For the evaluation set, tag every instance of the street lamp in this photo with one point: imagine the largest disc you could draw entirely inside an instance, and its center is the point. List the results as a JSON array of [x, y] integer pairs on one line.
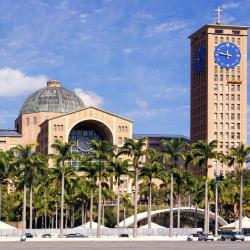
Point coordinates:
[[218, 178]]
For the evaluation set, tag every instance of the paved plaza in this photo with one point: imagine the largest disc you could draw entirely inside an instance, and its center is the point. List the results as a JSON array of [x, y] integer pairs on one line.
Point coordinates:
[[127, 245]]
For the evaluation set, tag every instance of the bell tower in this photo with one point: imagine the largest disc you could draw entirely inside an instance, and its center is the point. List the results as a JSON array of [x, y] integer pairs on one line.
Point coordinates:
[[219, 87]]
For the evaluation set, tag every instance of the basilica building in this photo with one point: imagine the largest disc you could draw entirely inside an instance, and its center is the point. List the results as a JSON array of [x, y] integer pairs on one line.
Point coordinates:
[[55, 112]]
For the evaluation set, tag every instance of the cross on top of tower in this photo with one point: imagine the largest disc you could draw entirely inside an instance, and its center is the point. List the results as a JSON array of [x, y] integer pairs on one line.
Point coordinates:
[[218, 11]]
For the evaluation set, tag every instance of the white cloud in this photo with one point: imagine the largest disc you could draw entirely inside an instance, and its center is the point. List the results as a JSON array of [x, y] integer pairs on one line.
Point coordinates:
[[89, 98], [231, 5], [165, 27], [142, 104], [167, 92], [144, 110], [128, 51], [83, 17], [14, 82]]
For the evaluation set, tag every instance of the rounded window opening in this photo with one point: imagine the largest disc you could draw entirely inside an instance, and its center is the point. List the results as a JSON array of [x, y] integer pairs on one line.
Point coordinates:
[[84, 132]]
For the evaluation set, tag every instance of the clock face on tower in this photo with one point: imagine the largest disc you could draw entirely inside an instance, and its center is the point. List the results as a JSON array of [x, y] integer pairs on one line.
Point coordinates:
[[199, 59], [227, 55]]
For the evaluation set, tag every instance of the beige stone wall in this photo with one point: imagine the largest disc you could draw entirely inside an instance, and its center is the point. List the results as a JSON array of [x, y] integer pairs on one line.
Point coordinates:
[[7, 143], [29, 125], [61, 126]]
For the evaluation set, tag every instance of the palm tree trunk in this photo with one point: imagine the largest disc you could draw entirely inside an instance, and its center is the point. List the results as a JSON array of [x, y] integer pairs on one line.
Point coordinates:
[[103, 213], [45, 211], [66, 218], [124, 217], [171, 217], [52, 222], [179, 212], [36, 221], [98, 232], [149, 204], [73, 216], [241, 201], [208, 219], [118, 205], [91, 207], [135, 203], [24, 209], [206, 206], [62, 205], [0, 201], [82, 213], [31, 208], [56, 217], [196, 214]]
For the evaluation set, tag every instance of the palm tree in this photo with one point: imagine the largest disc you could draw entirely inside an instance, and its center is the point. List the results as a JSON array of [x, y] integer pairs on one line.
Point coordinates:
[[63, 156], [119, 168], [126, 203], [203, 152], [196, 188], [102, 153], [38, 166], [135, 149], [5, 158], [183, 180], [238, 157], [172, 155], [149, 171], [107, 195], [90, 170], [23, 163], [82, 195]]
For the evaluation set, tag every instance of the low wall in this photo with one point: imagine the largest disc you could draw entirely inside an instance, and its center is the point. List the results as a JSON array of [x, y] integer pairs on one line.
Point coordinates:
[[104, 231]]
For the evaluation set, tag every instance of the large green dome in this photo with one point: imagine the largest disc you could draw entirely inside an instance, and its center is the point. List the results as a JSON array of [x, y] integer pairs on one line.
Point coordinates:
[[53, 98]]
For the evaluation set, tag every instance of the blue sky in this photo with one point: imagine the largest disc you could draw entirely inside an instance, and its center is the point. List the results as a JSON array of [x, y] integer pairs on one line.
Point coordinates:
[[130, 57]]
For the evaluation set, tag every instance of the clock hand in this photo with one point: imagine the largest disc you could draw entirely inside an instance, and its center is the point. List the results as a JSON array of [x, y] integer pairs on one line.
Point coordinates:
[[225, 54], [228, 55]]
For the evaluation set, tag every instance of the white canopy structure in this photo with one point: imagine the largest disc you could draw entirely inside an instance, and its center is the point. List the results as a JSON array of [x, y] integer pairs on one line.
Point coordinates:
[[235, 225], [153, 225], [200, 212], [6, 226], [87, 225]]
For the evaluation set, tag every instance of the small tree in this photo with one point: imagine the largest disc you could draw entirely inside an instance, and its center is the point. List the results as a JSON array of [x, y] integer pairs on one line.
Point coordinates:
[[238, 158], [173, 150], [118, 169], [102, 153], [62, 157], [135, 149], [149, 171], [203, 152]]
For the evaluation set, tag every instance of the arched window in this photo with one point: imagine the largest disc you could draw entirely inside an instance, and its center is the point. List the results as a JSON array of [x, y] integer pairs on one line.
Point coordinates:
[[238, 41], [119, 140]]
